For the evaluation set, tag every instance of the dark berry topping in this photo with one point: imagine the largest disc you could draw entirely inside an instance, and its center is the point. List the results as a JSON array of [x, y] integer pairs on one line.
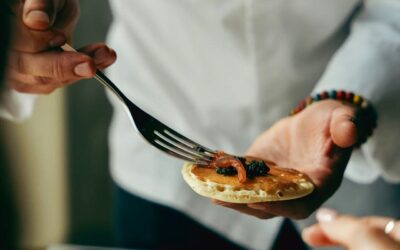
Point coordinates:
[[226, 171], [256, 168], [253, 168]]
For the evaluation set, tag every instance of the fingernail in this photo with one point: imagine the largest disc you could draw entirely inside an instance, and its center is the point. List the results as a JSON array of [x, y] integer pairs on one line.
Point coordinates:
[[83, 70], [38, 16], [326, 215], [101, 56], [57, 41]]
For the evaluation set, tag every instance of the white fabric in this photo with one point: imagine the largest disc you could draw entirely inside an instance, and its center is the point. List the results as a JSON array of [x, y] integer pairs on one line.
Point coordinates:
[[223, 71], [16, 106]]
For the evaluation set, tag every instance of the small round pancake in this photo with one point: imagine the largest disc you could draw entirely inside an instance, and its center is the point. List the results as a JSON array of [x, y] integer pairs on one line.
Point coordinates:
[[280, 184]]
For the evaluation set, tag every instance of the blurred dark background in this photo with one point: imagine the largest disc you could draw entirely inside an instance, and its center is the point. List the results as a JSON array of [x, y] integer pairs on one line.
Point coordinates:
[[8, 217], [88, 116], [60, 188]]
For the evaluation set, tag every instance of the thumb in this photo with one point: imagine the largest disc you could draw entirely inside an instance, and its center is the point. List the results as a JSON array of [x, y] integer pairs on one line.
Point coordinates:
[[40, 14], [343, 129]]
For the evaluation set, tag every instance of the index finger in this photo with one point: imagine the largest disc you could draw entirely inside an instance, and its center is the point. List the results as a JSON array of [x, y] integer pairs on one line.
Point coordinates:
[[40, 14]]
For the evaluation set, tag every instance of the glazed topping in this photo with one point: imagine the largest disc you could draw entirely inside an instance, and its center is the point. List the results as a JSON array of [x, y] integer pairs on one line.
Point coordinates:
[[244, 167]]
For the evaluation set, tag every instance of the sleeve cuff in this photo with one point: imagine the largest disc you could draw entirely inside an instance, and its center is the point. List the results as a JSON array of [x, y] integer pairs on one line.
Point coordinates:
[[16, 106]]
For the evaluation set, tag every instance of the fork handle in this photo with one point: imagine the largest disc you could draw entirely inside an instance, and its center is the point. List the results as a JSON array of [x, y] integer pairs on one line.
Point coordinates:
[[103, 79]]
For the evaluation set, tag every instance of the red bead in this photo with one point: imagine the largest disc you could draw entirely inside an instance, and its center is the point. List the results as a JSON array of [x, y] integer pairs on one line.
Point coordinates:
[[302, 104], [324, 95], [340, 95], [349, 96]]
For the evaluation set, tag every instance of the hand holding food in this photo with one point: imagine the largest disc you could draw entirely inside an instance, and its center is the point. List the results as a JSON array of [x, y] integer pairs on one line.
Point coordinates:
[[367, 233], [36, 65], [317, 142]]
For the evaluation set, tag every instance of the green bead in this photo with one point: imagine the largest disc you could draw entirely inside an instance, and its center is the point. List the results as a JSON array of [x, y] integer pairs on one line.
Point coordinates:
[[332, 94]]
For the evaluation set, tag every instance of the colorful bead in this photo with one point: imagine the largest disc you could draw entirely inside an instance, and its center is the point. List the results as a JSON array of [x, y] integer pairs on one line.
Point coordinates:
[[340, 95], [367, 113], [357, 99], [364, 104], [332, 94], [324, 95], [349, 96], [335, 95], [302, 104], [309, 100]]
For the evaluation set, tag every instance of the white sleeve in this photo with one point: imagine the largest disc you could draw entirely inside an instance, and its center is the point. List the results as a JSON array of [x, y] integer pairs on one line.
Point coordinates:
[[16, 106], [368, 63]]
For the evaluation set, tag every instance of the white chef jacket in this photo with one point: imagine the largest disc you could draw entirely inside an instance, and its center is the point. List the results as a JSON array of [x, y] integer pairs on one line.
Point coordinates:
[[223, 71]]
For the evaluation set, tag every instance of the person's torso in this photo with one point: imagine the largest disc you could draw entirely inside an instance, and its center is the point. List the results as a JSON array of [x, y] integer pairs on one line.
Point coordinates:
[[219, 71]]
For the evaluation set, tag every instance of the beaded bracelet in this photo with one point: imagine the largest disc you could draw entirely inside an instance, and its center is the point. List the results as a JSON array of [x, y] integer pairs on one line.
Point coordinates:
[[366, 116]]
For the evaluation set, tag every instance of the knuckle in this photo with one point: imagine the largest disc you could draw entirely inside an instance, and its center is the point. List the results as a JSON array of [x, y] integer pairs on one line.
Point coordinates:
[[37, 80], [57, 69], [18, 62]]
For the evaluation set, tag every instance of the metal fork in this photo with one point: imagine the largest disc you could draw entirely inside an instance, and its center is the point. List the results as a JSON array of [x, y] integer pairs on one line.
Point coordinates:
[[155, 132]]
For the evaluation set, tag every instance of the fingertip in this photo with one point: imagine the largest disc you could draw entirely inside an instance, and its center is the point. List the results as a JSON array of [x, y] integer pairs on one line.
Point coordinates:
[[85, 69], [104, 57], [314, 236], [39, 14], [37, 19], [307, 234], [343, 128]]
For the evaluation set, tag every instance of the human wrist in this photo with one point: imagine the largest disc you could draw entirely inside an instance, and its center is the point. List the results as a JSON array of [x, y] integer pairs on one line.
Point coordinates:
[[365, 117]]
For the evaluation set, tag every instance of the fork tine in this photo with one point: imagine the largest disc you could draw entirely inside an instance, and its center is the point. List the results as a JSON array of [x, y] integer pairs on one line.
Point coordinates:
[[177, 136], [186, 147], [178, 152], [176, 155], [187, 153]]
